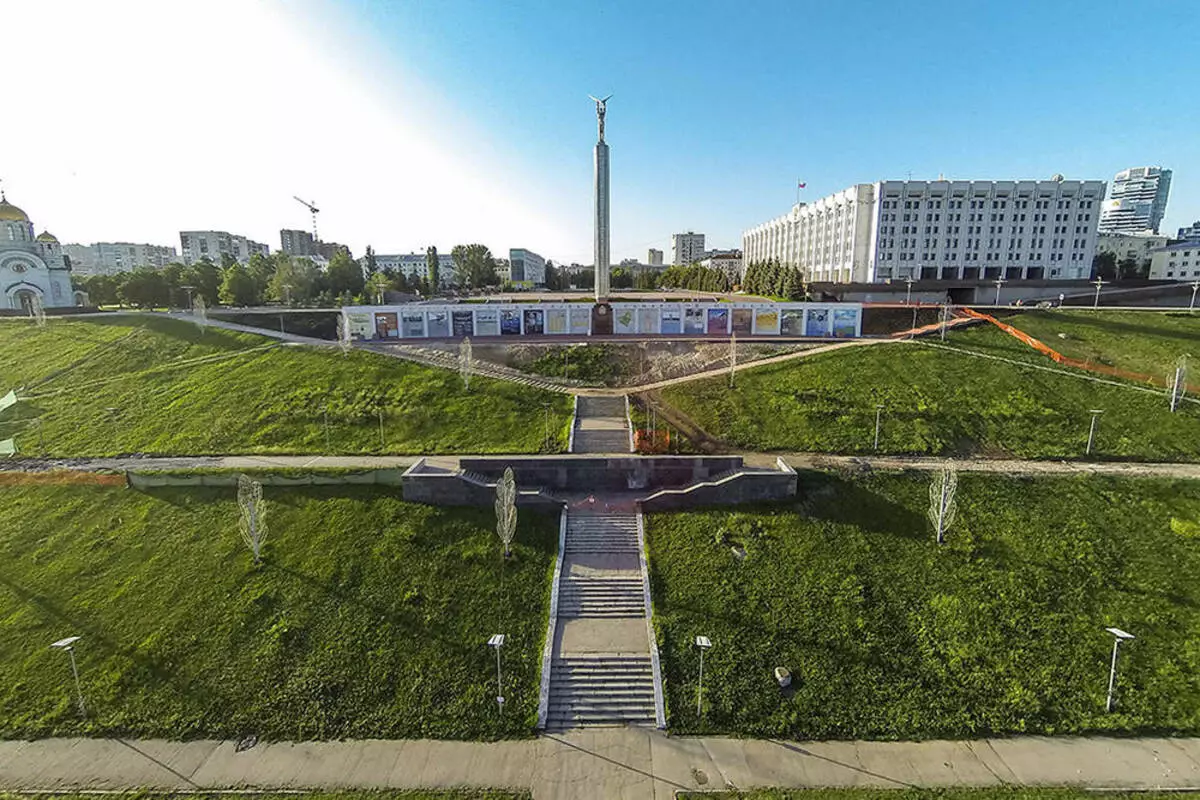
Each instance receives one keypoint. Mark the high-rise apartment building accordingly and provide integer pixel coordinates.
(687, 248)
(949, 230)
(297, 243)
(110, 258)
(196, 245)
(1137, 200)
(654, 258)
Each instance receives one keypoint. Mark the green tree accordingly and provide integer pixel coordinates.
(1131, 268)
(433, 268)
(295, 281)
(475, 265)
(102, 290)
(144, 288)
(205, 279)
(238, 288)
(377, 284)
(261, 269)
(1104, 266)
(620, 278)
(371, 265)
(344, 275)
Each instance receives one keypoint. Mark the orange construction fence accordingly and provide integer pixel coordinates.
(651, 441)
(1089, 366)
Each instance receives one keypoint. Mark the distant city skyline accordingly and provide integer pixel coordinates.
(409, 132)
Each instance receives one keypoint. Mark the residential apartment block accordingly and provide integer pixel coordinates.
(196, 245)
(110, 258)
(948, 230)
(414, 264)
(1176, 262)
(687, 248)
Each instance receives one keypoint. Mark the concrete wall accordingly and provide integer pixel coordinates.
(437, 487)
(149, 480)
(605, 474)
(741, 487)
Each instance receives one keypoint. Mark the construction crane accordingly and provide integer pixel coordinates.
(313, 208)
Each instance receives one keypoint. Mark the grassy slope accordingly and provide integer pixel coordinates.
(247, 400)
(1147, 343)
(935, 402)
(369, 617)
(889, 636)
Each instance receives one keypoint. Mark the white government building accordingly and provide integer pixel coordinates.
(949, 230)
(31, 267)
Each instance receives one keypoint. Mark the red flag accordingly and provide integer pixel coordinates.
(802, 185)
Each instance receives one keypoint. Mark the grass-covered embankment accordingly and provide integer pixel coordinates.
(889, 636)
(368, 618)
(935, 402)
(143, 384)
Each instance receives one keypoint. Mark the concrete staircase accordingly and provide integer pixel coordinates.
(601, 425)
(601, 672)
(601, 689)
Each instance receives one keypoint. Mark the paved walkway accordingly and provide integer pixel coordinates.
(631, 764)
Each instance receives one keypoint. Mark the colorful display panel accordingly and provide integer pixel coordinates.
(534, 322)
(743, 321)
(510, 322)
(487, 322)
(437, 324)
(766, 320)
(462, 323)
(556, 320)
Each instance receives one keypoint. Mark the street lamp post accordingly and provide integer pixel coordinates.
(68, 644)
(1118, 637)
(1096, 412)
(702, 642)
(1098, 283)
(999, 283)
(1195, 287)
(878, 412)
(497, 641)
(908, 290)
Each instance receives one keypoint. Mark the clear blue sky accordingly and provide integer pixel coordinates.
(719, 106)
(439, 122)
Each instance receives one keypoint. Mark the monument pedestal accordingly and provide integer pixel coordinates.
(602, 319)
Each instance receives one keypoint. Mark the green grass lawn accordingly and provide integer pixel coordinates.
(139, 384)
(935, 402)
(368, 618)
(1143, 342)
(889, 636)
(957, 793)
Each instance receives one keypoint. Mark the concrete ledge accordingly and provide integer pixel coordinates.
(434, 486)
(740, 486)
(552, 626)
(660, 708)
(629, 425)
(574, 423)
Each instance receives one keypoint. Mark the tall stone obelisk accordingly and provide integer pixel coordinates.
(601, 262)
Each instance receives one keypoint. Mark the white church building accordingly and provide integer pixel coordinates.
(30, 266)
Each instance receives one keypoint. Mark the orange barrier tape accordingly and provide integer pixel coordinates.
(60, 477)
(1088, 366)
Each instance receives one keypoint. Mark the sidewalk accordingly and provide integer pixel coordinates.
(632, 764)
